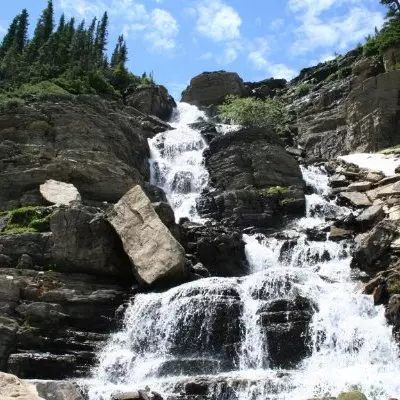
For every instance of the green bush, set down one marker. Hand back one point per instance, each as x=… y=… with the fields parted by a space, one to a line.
x=250 y=111
x=277 y=190
x=303 y=90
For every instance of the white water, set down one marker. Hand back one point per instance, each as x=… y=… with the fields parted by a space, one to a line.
x=168 y=337
x=176 y=162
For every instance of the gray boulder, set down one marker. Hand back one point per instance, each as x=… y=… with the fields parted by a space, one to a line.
x=154 y=253
x=12 y=388
x=211 y=88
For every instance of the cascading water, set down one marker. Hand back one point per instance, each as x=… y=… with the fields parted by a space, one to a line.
x=176 y=162
x=242 y=334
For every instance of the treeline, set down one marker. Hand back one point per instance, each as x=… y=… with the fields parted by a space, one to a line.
x=71 y=56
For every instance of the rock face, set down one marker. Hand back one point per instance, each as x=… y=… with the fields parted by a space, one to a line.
x=211 y=88
x=59 y=193
x=154 y=252
x=97 y=145
x=257 y=181
x=58 y=390
x=357 y=112
x=12 y=388
x=151 y=99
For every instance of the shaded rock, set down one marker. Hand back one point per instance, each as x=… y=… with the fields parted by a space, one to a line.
x=12 y=388
x=393 y=311
x=8 y=339
x=338 y=180
x=59 y=390
x=154 y=253
x=211 y=88
x=370 y=216
x=373 y=245
x=220 y=249
x=391 y=58
x=97 y=145
x=84 y=241
x=59 y=193
x=151 y=99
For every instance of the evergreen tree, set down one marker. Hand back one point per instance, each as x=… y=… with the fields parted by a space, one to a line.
x=101 y=40
x=21 y=34
x=394 y=7
x=120 y=54
x=10 y=36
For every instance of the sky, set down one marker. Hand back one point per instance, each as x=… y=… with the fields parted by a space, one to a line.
x=178 y=39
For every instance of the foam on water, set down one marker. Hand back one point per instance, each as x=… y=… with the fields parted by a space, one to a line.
x=352 y=346
x=176 y=162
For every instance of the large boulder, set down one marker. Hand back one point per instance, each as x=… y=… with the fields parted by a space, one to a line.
x=154 y=253
x=59 y=193
x=84 y=241
x=257 y=181
x=59 y=390
x=12 y=388
x=373 y=246
x=99 y=146
x=151 y=99
x=211 y=88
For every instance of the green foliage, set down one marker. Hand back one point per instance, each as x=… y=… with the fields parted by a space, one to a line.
x=303 y=90
x=250 y=111
x=66 y=58
x=388 y=37
x=27 y=219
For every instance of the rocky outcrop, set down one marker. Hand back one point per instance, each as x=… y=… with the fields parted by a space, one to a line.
x=99 y=146
x=154 y=252
x=12 y=388
x=211 y=88
x=352 y=109
x=257 y=182
x=151 y=99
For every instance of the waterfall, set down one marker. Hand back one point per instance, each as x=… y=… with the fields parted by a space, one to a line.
x=240 y=333
x=176 y=162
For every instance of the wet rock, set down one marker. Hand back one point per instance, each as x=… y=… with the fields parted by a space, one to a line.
x=59 y=193
x=182 y=182
x=151 y=99
x=201 y=270
x=211 y=88
x=337 y=234
x=393 y=311
x=338 y=180
x=154 y=253
x=373 y=245
x=316 y=235
x=12 y=388
x=220 y=249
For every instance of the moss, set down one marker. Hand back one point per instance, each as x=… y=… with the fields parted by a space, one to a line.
x=354 y=395
x=277 y=190
x=27 y=219
x=393 y=288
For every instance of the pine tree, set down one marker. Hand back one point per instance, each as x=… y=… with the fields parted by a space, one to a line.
x=101 y=40
x=43 y=31
x=10 y=36
x=120 y=54
x=21 y=35
x=394 y=7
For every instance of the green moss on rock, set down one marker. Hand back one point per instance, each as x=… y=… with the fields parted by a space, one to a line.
x=27 y=219
x=353 y=395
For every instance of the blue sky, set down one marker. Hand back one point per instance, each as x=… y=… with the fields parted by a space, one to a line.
x=177 y=39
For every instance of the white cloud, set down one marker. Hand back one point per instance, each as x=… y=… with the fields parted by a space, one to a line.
x=158 y=26
x=206 y=56
x=228 y=56
x=276 y=24
x=162 y=30
x=217 y=20
x=350 y=23
x=281 y=71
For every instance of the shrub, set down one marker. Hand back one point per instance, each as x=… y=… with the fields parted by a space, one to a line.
x=250 y=111
x=388 y=37
x=303 y=90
